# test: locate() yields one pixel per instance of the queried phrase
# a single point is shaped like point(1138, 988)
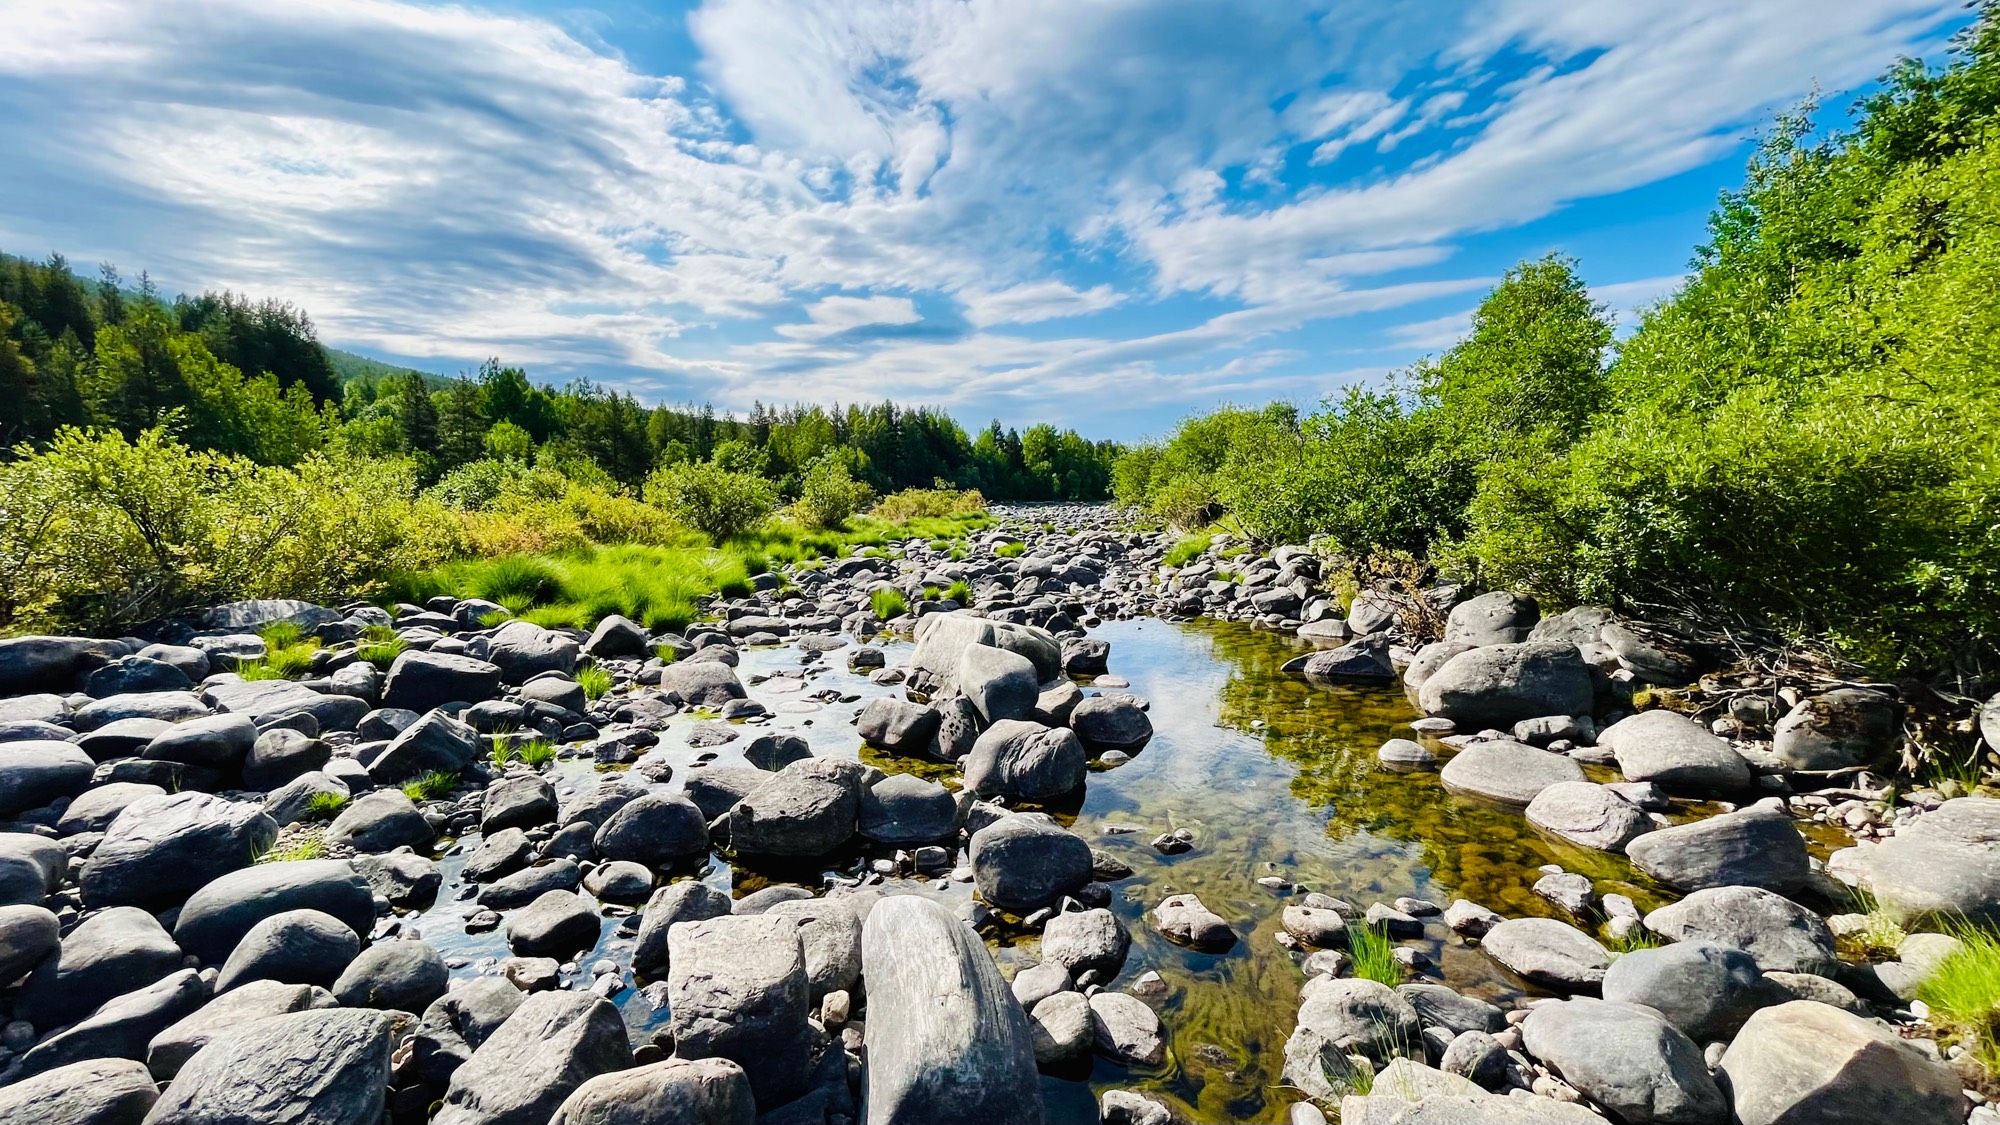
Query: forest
point(1801, 438)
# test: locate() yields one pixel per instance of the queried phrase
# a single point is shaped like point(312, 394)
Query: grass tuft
point(1189, 549)
point(1011, 550)
point(594, 680)
point(1638, 939)
point(960, 592)
point(538, 752)
point(430, 787)
point(324, 806)
point(888, 604)
point(504, 753)
point(308, 845)
point(1964, 994)
point(1374, 956)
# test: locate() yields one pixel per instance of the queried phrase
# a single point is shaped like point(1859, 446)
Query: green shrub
point(888, 604)
point(828, 495)
point(719, 503)
point(594, 680)
point(928, 503)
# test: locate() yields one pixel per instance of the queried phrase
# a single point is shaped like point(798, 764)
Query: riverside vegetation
point(618, 778)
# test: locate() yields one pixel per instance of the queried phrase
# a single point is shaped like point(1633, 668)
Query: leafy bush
point(932, 503)
point(828, 495)
point(719, 503)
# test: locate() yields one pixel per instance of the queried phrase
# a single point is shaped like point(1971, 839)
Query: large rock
point(674, 1092)
point(216, 742)
point(123, 1026)
point(1841, 728)
point(404, 976)
point(1341, 1017)
point(1499, 685)
point(279, 755)
point(1513, 773)
point(382, 821)
point(1779, 934)
point(947, 1043)
point(616, 635)
point(457, 1023)
point(162, 849)
point(521, 800)
point(551, 1045)
point(809, 808)
point(295, 947)
point(1126, 1031)
point(1944, 864)
point(1022, 760)
point(898, 726)
point(1112, 722)
point(1025, 861)
point(1549, 953)
point(943, 637)
point(1492, 618)
point(420, 681)
point(685, 901)
point(658, 830)
point(1806, 1061)
point(270, 699)
point(1364, 661)
point(160, 706)
point(134, 673)
point(701, 683)
point(28, 934)
point(523, 650)
point(557, 924)
point(737, 989)
point(1674, 752)
point(34, 773)
point(30, 868)
point(1589, 815)
point(1184, 919)
point(904, 810)
point(170, 1050)
point(319, 1067)
point(94, 1092)
point(435, 742)
point(1756, 848)
point(217, 916)
point(1462, 1109)
point(1086, 941)
point(1706, 990)
point(108, 954)
point(830, 938)
point(1626, 1058)
point(999, 684)
point(40, 663)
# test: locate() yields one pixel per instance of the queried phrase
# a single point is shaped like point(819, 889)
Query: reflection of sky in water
point(1301, 798)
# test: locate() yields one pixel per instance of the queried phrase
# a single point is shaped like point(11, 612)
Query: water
point(1273, 775)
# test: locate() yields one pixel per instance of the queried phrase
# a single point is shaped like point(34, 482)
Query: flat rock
point(1755, 847)
point(1549, 953)
point(1779, 934)
point(93, 1092)
point(161, 849)
point(318, 1067)
point(1588, 815)
point(550, 1045)
point(1510, 772)
point(1805, 1061)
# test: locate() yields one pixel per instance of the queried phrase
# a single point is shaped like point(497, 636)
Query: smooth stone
point(1779, 934)
point(317, 1067)
point(523, 1072)
point(1549, 953)
point(1627, 1058)
point(1804, 1061)
point(1510, 772)
point(1588, 815)
point(92, 1092)
point(1755, 847)
point(1675, 752)
point(674, 1092)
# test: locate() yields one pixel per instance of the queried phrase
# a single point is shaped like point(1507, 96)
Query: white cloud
point(1435, 334)
point(1033, 301)
point(832, 316)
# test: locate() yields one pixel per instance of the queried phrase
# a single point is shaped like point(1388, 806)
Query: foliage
point(538, 753)
point(503, 752)
point(1374, 955)
point(310, 844)
point(1964, 994)
point(1188, 549)
point(594, 680)
point(828, 495)
point(716, 501)
point(324, 806)
point(1011, 550)
point(927, 503)
point(380, 646)
point(287, 652)
point(431, 786)
point(888, 603)
point(960, 591)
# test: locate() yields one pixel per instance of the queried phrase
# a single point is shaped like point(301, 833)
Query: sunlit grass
point(538, 752)
point(1374, 956)
point(888, 603)
point(287, 654)
point(960, 592)
point(324, 806)
point(594, 680)
point(1964, 994)
point(1011, 550)
point(1189, 549)
point(431, 786)
point(310, 845)
point(504, 753)
point(380, 646)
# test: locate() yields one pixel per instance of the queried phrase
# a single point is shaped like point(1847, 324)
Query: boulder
point(943, 637)
point(716, 789)
point(947, 1043)
point(1062, 1027)
point(1510, 772)
point(159, 706)
point(829, 937)
point(1838, 729)
point(685, 901)
point(550, 1046)
point(523, 650)
point(617, 635)
point(457, 1023)
point(898, 726)
point(121, 738)
point(1084, 941)
point(28, 934)
point(1112, 722)
point(94, 1092)
point(215, 918)
point(1543, 951)
point(216, 742)
point(318, 1067)
point(1654, 654)
point(808, 808)
point(134, 674)
point(999, 684)
point(436, 742)
point(1706, 990)
point(1499, 685)
point(1674, 752)
point(171, 1048)
point(1779, 934)
point(674, 1092)
point(1183, 919)
point(31, 867)
point(1588, 815)
point(1364, 661)
point(1943, 864)
point(123, 1026)
point(108, 954)
point(904, 810)
point(1492, 618)
point(557, 924)
point(162, 849)
point(271, 699)
point(1437, 1005)
point(519, 800)
point(279, 755)
point(1341, 1017)
point(774, 750)
point(737, 989)
point(1022, 760)
point(382, 821)
point(1024, 861)
point(701, 683)
point(657, 830)
point(295, 947)
point(95, 808)
point(293, 801)
point(1805, 1061)
point(36, 772)
point(1628, 1059)
point(420, 680)
point(402, 975)
point(39, 663)
point(1756, 847)
point(1126, 1031)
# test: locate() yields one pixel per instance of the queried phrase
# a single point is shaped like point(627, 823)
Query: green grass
point(430, 787)
point(538, 752)
point(504, 753)
point(1964, 994)
point(287, 654)
point(667, 654)
point(1374, 956)
point(1638, 939)
point(1189, 549)
point(380, 646)
point(309, 846)
point(324, 806)
point(1011, 550)
point(594, 680)
point(960, 592)
point(888, 603)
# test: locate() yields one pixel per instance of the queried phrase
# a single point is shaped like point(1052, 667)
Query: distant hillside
point(359, 368)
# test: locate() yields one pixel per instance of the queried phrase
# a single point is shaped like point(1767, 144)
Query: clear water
point(1273, 775)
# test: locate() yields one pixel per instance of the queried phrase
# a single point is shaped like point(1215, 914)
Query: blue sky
point(1099, 213)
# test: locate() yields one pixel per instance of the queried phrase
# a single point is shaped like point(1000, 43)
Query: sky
point(1099, 213)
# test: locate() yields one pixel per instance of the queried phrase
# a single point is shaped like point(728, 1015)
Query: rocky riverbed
point(1104, 844)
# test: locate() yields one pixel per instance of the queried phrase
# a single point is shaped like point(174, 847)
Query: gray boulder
point(30, 867)
point(657, 830)
point(295, 947)
point(1838, 729)
point(529, 884)
point(215, 918)
point(999, 684)
point(108, 954)
point(40, 663)
point(123, 1026)
point(170, 1050)
point(1341, 1017)
point(217, 742)
point(808, 808)
point(674, 1092)
point(1492, 618)
point(1549, 953)
point(134, 674)
point(457, 1023)
point(95, 808)
point(1062, 1027)
point(1628, 1059)
point(1706, 990)
point(1756, 847)
point(404, 975)
point(523, 650)
point(617, 635)
point(293, 801)
point(36, 772)
point(435, 742)
point(1084, 941)
point(271, 699)
point(685, 901)
point(1805, 1061)
point(1022, 760)
point(317, 1067)
point(948, 1044)
point(95, 1092)
point(1654, 654)
point(774, 750)
point(898, 726)
point(943, 637)
point(28, 934)
point(1499, 685)
point(382, 821)
point(162, 849)
point(1943, 864)
point(421, 681)
point(1112, 722)
point(1025, 861)
point(1437, 1005)
point(519, 800)
point(1589, 815)
point(1184, 920)
point(557, 924)
point(1364, 661)
point(829, 938)
point(1126, 1031)
point(1675, 752)
point(904, 810)
point(1779, 934)
point(1510, 772)
point(279, 755)
point(702, 683)
point(737, 989)
point(524, 1071)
